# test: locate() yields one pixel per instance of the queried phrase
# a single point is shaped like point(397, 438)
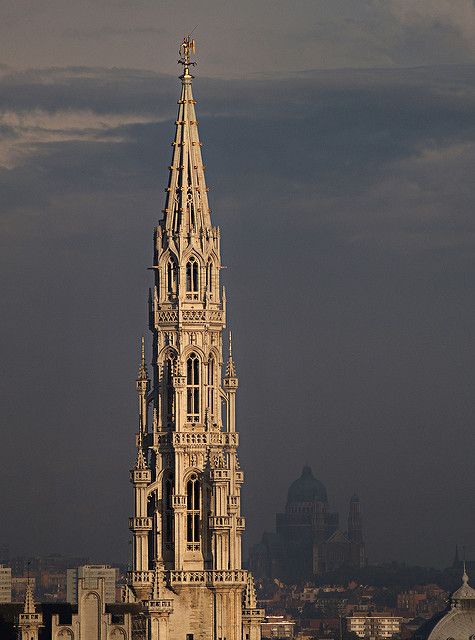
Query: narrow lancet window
point(209, 277)
point(171, 277)
point(193, 508)
point(168, 514)
point(192, 276)
point(169, 390)
point(211, 387)
point(193, 388)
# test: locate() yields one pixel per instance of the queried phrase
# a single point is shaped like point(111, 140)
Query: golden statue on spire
point(187, 47)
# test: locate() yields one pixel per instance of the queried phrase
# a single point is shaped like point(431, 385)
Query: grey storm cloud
point(346, 204)
point(239, 38)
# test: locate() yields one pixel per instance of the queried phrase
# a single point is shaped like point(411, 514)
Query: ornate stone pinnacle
point(141, 463)
point(158, 584)
point(230, 368)
point(29, 606)
point(142, 374)
point(250, 600)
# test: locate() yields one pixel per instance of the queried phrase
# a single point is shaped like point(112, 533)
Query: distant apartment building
point(5, 583)
point(374, 626)
point(4, 554)
point(19, 585)
point(91, 572)
point(53, 586)
point(277, 627)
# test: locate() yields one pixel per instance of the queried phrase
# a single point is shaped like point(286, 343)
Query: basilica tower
point(187, 524)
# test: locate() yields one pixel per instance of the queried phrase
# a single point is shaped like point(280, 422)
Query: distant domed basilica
point(308, 540)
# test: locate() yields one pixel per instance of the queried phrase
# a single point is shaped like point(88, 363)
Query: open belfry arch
point(187, 522)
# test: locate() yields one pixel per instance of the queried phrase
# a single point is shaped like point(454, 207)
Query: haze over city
point(339, 141)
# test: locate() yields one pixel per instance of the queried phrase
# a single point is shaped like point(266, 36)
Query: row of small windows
point(192, 280)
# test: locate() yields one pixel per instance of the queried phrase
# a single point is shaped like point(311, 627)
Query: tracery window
point(169, 390)
point(193, 388)
point(193, 509)
point(168, 512)
point(209, 276)
point(211, 387)
point(192, 275)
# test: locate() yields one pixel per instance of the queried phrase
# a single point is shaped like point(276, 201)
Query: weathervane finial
point(187, 47)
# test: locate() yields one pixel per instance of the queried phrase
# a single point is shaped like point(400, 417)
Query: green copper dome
point(307, 488)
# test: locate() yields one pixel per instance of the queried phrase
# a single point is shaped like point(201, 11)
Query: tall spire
point(186, 205)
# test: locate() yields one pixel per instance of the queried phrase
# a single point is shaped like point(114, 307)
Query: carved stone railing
point(179, 501)
point(159, 606)
point(232, 577)
point(26, 618)
point(140, 577)
point(217, 438)
point(189, 316)
point(141, 476)
point(219, 474)
point(189, 438)
point(219, 522)
point(138, 524)
point(253, 613)
point(223, 438)
point(241, 523)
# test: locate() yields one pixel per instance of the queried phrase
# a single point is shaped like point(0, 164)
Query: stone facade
point(92, 621)
point(187, 524)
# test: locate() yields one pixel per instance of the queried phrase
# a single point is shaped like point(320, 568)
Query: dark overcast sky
point(339, 139)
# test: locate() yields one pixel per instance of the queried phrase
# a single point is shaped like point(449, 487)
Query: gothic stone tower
point(187, 525)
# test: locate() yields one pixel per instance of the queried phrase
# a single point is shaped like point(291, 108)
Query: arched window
point(209, 276)
point(193, 388)
point(211, 387)
point(168, 512)
point(171, 277)
point(192, 275)
point(169, 390)
point(193, 509)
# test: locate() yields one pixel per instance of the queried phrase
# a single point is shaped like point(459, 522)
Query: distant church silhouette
point(308, 540)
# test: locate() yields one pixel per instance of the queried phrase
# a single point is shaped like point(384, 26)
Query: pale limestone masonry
point(91, 621)
point(187, 524)
point(30, 621)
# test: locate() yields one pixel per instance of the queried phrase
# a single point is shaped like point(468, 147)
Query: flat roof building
point(374, 626)
point(91, 573)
